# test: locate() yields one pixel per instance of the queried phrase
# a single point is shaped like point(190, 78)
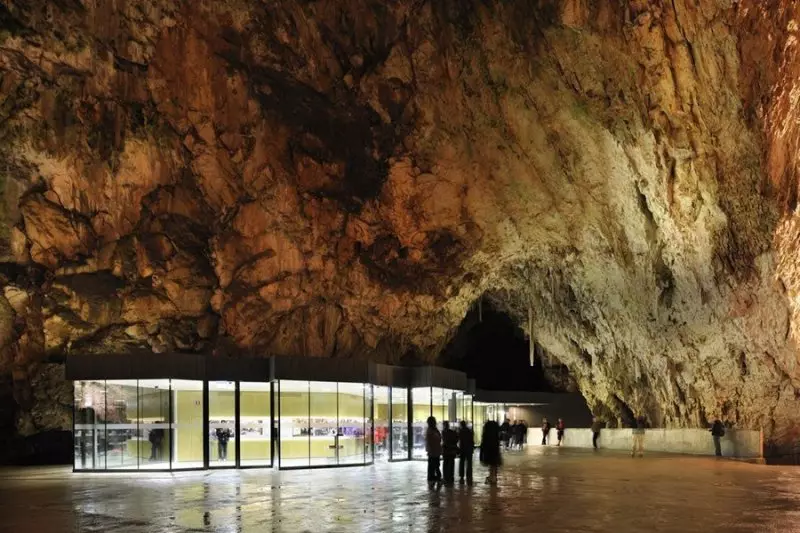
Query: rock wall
point(331, 179)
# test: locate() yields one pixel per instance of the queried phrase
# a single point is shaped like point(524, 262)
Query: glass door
point(381, 433)
point(352, 435)
point(294, 431)
point(399, 413)
point(325, 437)
point(222, 424)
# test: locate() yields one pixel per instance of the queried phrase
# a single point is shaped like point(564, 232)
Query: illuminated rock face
point(326, 179)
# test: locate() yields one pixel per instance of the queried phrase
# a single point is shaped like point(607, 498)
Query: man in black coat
point(466, 448)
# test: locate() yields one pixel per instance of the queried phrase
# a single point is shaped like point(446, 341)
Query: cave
point(615, 180)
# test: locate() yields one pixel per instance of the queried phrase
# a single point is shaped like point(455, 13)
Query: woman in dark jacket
point(490, 450)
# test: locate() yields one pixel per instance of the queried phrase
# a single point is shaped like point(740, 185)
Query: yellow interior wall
point(189, 410)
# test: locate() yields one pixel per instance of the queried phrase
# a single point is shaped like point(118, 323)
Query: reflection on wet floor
point(541, 489)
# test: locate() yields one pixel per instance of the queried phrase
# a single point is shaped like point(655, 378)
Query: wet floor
point(540, 490)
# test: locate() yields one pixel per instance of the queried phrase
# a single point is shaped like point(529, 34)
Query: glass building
point(182, 411)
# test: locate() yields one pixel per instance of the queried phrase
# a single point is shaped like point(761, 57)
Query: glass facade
point(175, 424)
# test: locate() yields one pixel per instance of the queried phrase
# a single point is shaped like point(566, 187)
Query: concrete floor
point(541, 489)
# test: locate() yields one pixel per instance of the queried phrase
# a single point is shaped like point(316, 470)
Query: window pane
point(421, 398)
point(325, 446)
point(122, 425)
point(221, 423)
point(187, 426)
point(294, 428)
point(381, 413)
point(352, 437)
point(154, 429)
point(255, 424)
point(399, 423)
point(440, 403)
point(89, 405)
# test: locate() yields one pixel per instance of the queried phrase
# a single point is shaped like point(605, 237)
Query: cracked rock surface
point(337, 180)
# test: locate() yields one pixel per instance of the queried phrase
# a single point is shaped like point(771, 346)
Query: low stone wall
point(736, 442)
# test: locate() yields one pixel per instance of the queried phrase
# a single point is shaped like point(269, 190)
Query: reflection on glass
point(221, 423)
point(153, 443)
point(381, 414)
point(294, 423)
point(399, 422)
point(325, 445)
point(352, 435)
point(122, 425)
point(89, 405)
point(421, 402)
point(255, 424)
point(187, 427)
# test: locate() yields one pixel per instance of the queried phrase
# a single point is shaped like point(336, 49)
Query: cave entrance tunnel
point(490, 347)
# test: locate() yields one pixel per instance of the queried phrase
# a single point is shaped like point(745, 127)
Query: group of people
point(546, 427)
point(448, 444)
point(514, 436)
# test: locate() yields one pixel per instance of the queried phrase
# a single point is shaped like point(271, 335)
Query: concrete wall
point(735, 443)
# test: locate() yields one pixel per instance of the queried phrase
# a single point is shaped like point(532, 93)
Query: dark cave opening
point(494, 351)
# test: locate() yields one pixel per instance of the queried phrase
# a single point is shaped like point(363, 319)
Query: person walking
point(449, 453)
point(596, 427)
point(638, 436)
point(490, 450)
point(522, 433)
point(433, 447)
point(560, 427)
point(466, 449)
point(505, 433)
point(717, 432)
point(545, 431)
point(514, 433)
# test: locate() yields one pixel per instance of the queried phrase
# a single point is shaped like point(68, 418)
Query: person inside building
point(596, 427)
point(449, 453)
point(156, 437)
point(717, 432)
point(545, 431)
point(223, 436)
point(433, 447)
point(490, 450)
point(638, 436)
point(466, 449)
point(560, 427)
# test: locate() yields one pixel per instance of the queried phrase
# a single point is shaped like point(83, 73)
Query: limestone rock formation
point(346, 179)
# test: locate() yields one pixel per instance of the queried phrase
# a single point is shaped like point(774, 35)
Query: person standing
point(560, 427)
point(223, 436)
point(638, 436)
point(433, 447)
point(545, 431)
point(155, 437)
point(466, 445)
point(596, 427)
point(717, 432)
point(449, 452)
point(490, 450)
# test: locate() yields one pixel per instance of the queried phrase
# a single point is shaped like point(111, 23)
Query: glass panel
point(399, 423)
point(421, 398)
point(325, 446)
point(221, 423)
point(187, 424)
point(381, 414)
point(440, 403)
point(254, 424)
point(294, 424)
point(122, 425)
point(90, 404)
point(352, 437)
point(368, 424)
point(154, 430)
